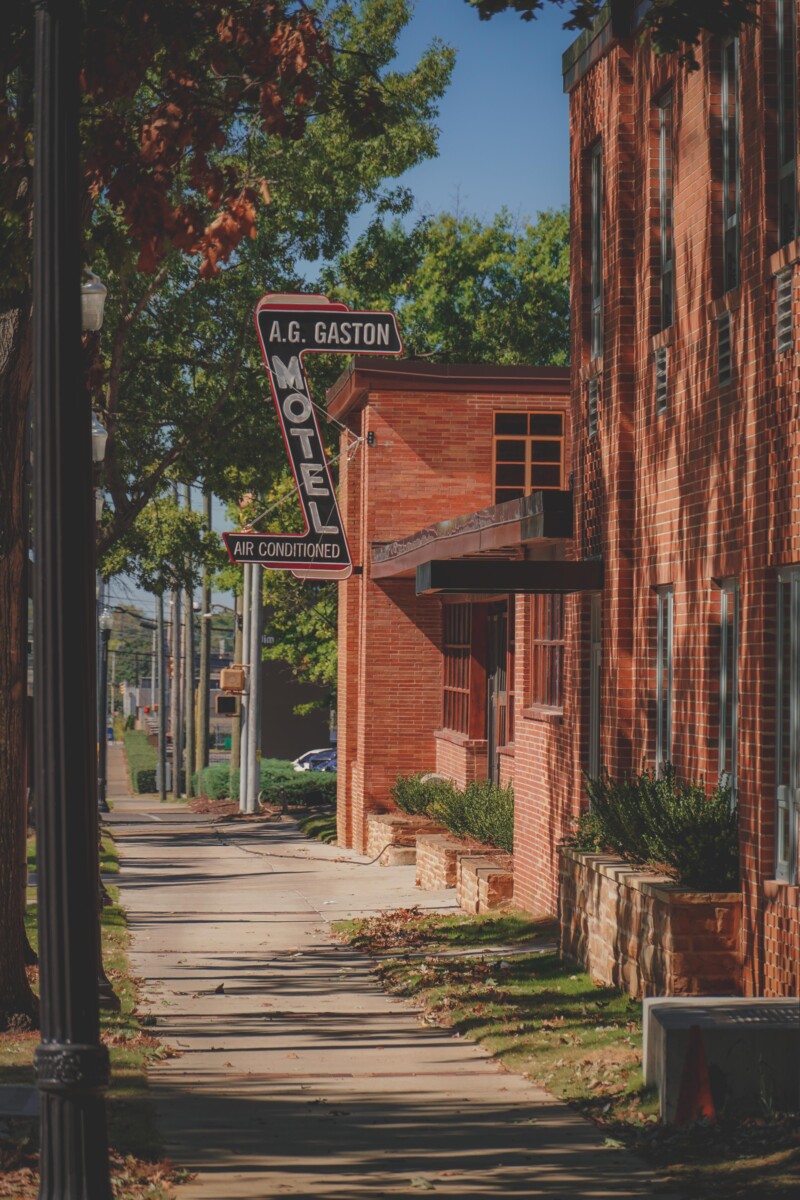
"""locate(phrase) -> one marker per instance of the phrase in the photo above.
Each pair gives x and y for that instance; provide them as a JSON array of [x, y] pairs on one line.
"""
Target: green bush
[[669, 825], [144, 780], [483, 811], [277, 775]]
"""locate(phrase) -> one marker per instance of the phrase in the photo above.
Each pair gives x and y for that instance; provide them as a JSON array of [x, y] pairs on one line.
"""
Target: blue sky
[[504, 137], [504, 120]]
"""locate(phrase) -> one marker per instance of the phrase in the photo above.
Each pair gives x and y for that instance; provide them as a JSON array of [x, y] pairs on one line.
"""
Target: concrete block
[[752, 1047]]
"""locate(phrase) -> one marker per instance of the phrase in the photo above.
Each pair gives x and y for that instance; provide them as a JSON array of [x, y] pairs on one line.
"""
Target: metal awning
[[491, 576], [535, 526]]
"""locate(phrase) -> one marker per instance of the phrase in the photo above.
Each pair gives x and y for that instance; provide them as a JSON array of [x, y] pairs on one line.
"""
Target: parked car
[[317, 760]]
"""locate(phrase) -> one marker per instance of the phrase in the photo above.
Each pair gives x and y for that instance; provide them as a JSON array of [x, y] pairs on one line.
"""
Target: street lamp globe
[[99, 439], [93, 300], [105, 620]]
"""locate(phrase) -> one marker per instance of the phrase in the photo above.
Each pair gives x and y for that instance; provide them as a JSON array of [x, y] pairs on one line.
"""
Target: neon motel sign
[[288, 328]]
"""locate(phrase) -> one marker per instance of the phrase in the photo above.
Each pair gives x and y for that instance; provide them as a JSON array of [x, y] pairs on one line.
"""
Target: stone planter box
[[484, 882], [641, 933], [438, 855], [393, 836]]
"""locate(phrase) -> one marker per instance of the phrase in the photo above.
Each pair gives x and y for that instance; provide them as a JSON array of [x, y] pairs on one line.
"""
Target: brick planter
[[399, 831], [437, 860], [484, 882], [641, 933]]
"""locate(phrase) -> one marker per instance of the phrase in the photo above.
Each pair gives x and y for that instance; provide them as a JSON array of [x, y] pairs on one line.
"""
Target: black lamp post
[[71, 1064], [105, 621]]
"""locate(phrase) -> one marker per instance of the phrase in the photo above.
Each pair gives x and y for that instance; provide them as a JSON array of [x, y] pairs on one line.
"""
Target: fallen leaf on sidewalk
[[292, 1054], [424, 1185]]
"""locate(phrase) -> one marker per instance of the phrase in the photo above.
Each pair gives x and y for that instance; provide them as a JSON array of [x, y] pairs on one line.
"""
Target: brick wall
[[430, 458], [708, 489]]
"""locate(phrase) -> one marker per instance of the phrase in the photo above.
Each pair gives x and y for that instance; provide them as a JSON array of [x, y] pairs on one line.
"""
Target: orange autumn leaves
[[164, 83]]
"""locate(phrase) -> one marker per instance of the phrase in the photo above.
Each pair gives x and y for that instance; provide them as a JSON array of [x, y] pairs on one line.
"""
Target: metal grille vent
[[784, 323], [662, 380], [724, 362], [592, 391]]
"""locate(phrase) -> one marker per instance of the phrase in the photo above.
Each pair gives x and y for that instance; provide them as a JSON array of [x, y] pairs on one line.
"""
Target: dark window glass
[[545, 477], [730, 163], [596, 240], [547, 424], [546, 452], [503, 494], [513, 475], [786, 19], [511, 452], [511, 423], [665, 208]]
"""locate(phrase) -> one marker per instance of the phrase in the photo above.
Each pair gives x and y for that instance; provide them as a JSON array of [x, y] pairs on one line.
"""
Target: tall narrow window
[[728, 683], [787, 120], [665, 208], [664, 601], [457, 653], [787, 807], [730, 163], [547, 650], [596, 235], [595, 662]]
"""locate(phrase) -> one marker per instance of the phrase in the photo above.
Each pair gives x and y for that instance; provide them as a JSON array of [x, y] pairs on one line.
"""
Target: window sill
[[592, 369], [785, 257], [729, 302], [663, 339], [780, 889], [539, 712], [459, 739], [508, 750]]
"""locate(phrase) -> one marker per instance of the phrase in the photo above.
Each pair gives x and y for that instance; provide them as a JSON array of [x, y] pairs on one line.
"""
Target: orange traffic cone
[[695, 1100]]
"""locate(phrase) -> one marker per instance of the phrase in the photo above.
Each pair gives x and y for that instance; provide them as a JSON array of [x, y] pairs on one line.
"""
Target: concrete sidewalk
[[298, 1075]]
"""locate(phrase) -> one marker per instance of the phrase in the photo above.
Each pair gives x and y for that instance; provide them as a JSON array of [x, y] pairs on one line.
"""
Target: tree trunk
[[17, 1003]]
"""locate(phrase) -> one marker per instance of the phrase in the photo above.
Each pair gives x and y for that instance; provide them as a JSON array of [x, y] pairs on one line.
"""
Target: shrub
[[483, 811], [277, 776], [142, 759], [670, 825], [145, 780]]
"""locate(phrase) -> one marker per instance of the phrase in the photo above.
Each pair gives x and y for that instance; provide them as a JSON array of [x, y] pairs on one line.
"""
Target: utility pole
[[254, 699], [244, 760], [205, 651], [236, 724], [189, 660], [70, 1062], [162, 700], [175, 694]]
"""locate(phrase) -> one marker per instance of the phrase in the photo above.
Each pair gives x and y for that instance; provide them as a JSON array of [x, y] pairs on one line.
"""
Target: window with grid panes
[[728, 683], [667, 290], [457, 654], [547, 650], [528, 454], [511, 673]]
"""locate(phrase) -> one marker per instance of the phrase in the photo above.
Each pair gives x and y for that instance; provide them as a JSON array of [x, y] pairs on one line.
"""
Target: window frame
[[596, 249], [546, 687], [786, 162], [529, 461], [731, 171], [787, 794], [593, 760], [665, 623], [457, 696], [666, 167], [729, 683]]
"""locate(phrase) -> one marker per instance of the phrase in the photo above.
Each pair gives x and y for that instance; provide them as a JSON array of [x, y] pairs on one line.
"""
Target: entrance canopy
[[516, 547]]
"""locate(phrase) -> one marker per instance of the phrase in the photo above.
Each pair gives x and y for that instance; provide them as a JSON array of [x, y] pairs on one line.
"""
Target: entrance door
[[496, 686]]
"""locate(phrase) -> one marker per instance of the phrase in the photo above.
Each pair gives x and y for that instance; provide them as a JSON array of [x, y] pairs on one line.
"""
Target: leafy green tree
[[466, 291], [213, 133], [672, 26]]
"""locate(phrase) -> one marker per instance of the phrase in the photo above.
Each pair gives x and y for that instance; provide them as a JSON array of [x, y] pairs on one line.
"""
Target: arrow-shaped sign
[[289, 327]]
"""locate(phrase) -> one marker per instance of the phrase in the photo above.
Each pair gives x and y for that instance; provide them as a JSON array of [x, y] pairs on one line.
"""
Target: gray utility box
[[752, 1049]]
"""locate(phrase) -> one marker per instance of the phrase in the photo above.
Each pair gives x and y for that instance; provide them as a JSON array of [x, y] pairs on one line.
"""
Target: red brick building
[[649, 596]]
